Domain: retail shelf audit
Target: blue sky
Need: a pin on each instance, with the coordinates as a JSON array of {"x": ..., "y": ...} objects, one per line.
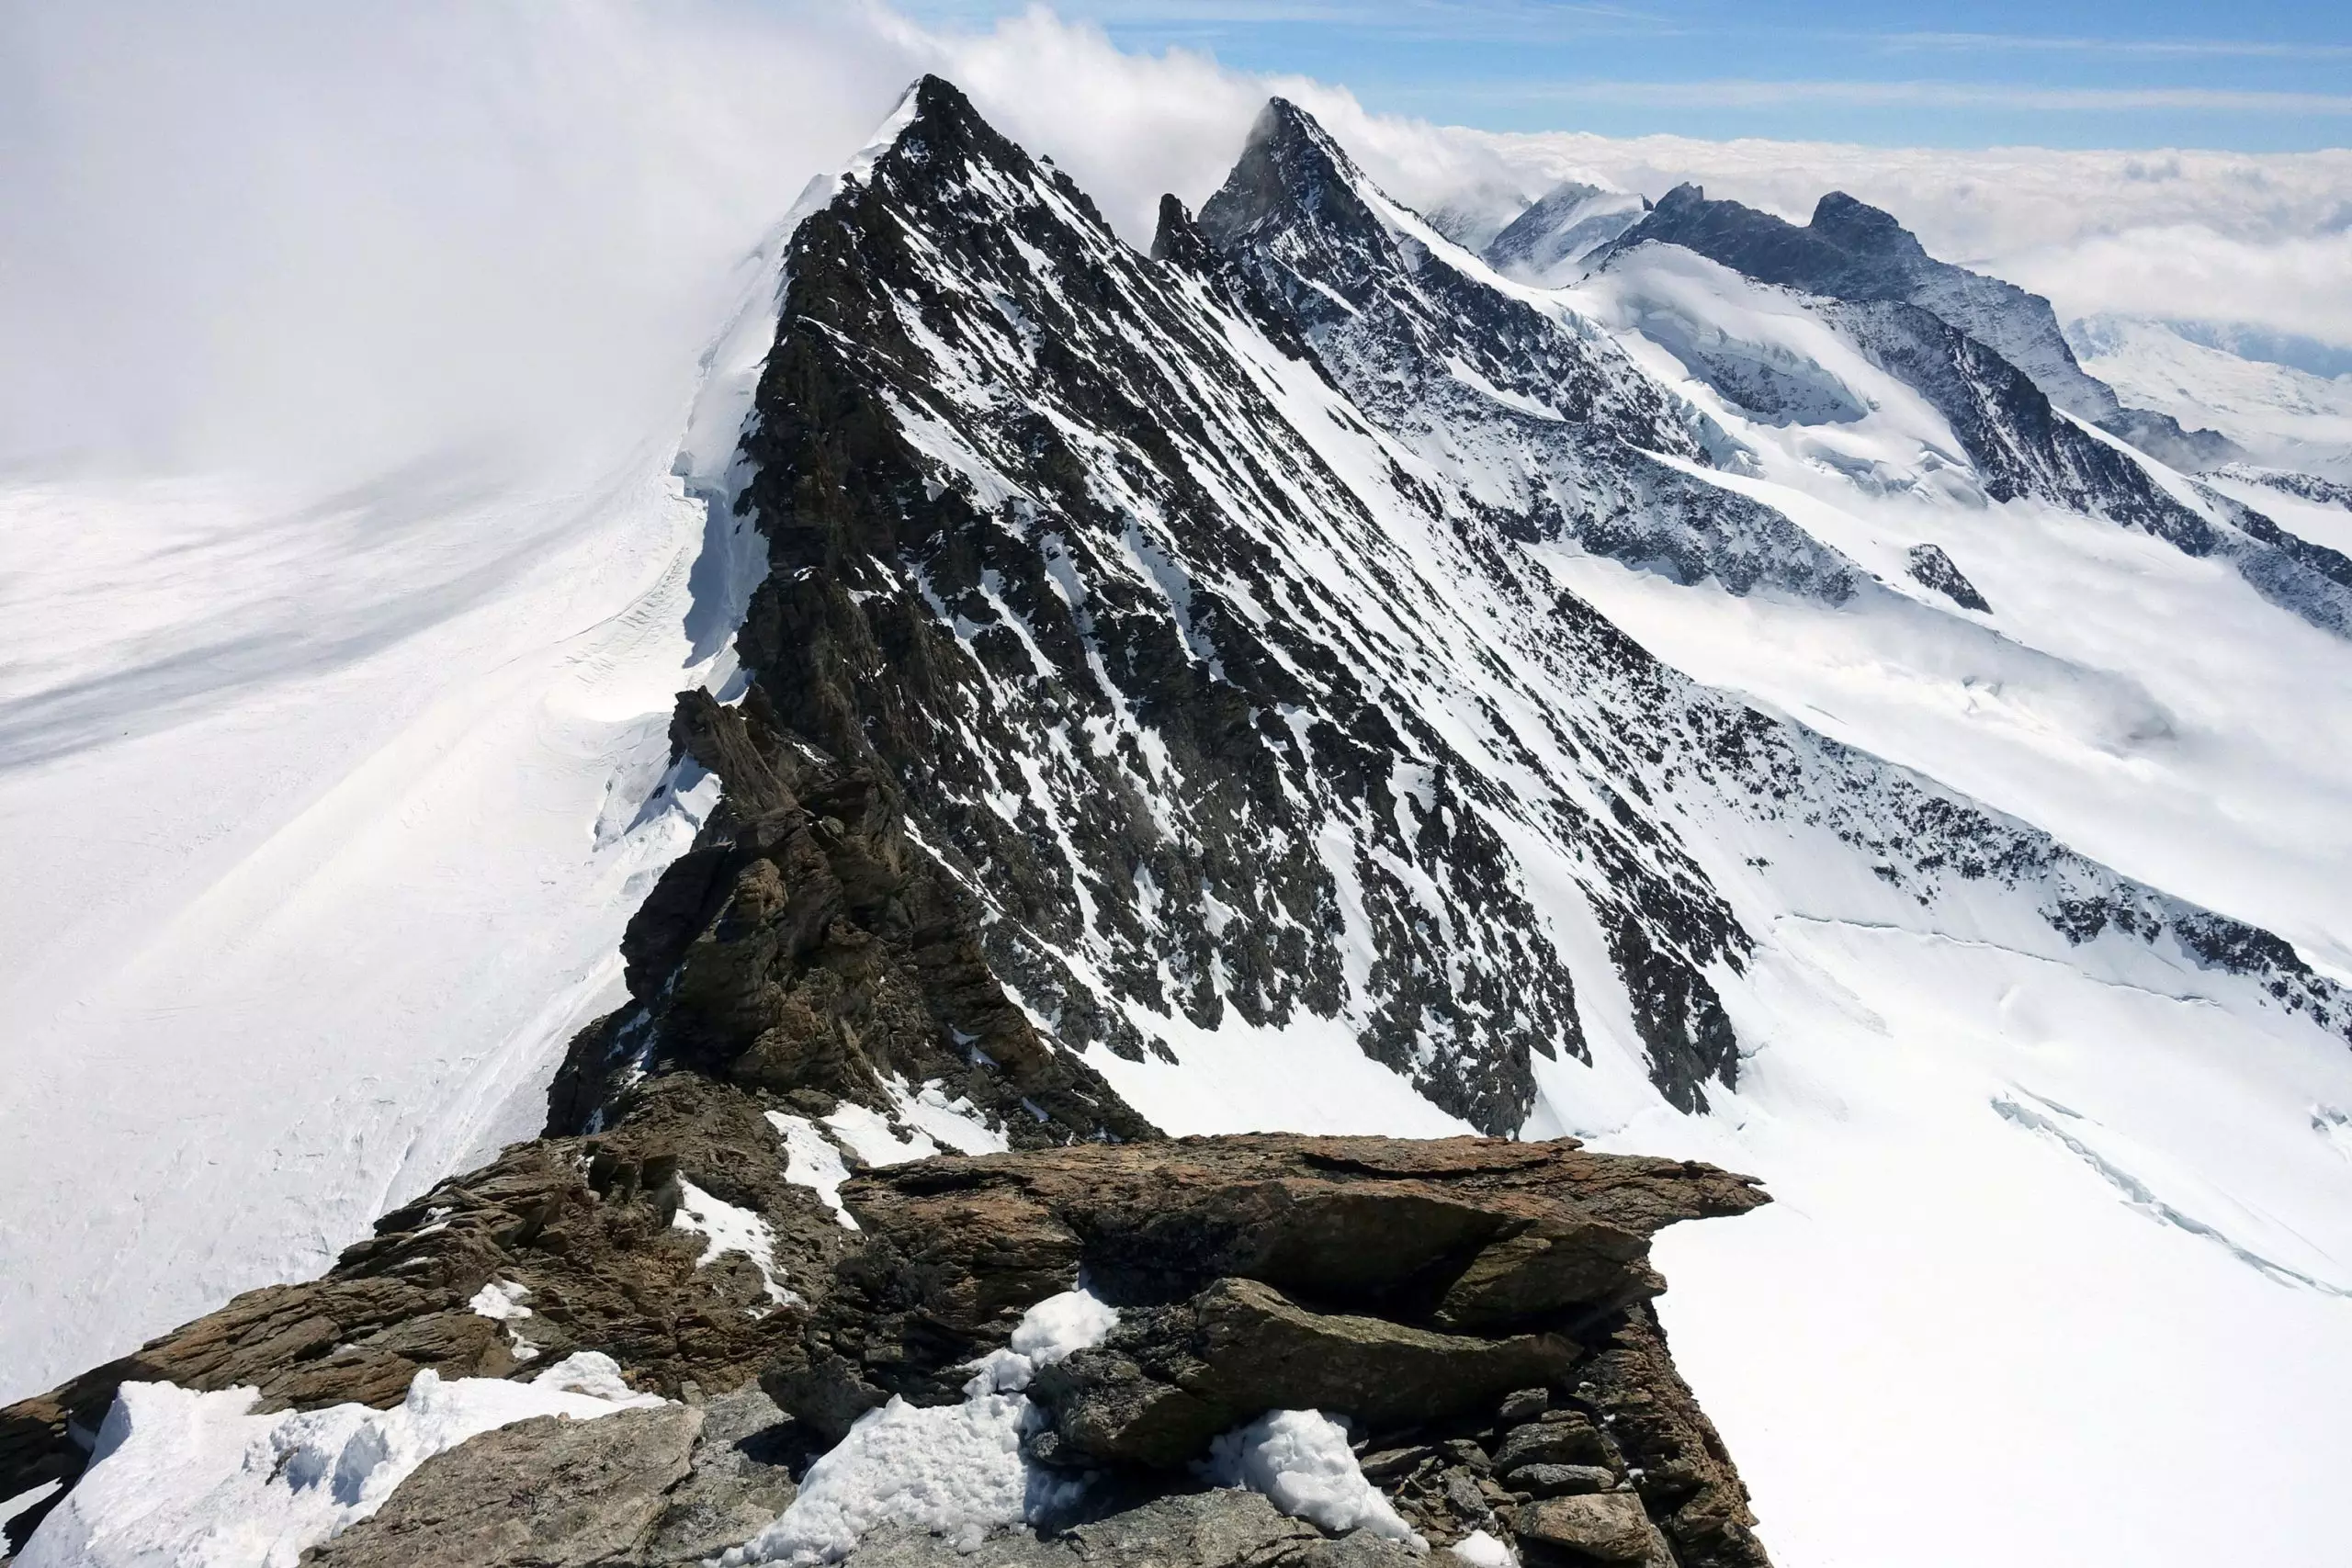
[{"x": 2255, "y": 77}]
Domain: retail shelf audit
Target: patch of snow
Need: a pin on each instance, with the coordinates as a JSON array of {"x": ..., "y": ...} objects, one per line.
[
  {"x": 811, "y": 1161},
  {"x": 1301, "y": 1461},
  {"x": 501, "y": 1300},
  {"x": 731, "y": 1229},
  {"x": 1484, "y": 1550},
  {"x": 954, "y": 1470},
  {"x": 869, "y": 1135},
  {"x": 1053, "y": 1329},
  {"x": 503, "y": 1303},
  {"x": 955, "y": 1123},
  {"x": 201, "y": 1481}
]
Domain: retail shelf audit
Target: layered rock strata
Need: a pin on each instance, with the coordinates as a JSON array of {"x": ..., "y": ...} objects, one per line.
[{"x": 1478, "y": 1309}]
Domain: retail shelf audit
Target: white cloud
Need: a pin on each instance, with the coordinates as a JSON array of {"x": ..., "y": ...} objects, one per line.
[
  {"x": 331, "y": 237},
  {"x": 273, "y": 233},
  {"x": 2264, "y": 238},
  {"x": 1744, "y": 93}
]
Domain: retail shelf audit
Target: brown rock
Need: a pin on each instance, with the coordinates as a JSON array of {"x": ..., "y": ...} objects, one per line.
[
  {"x": 1560, "y": 1480},
  {"x": 1607, "y": 1527},
  {"x": 1687, "y": 1477},
  {"x": 1170, "y": 1381},
  {"x": 547, "y": 1493},
  {"x": 584, "y": 1224}
]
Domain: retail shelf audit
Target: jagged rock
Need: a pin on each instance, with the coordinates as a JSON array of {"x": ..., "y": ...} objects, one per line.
[
  {"x": 737, "y": 1482},
  {"x": 1560, "y": 1479},
  {"x": 1850, "y": 250},
  {"x": 584, "y": 1226},
  {"x": 1168, "y": 1381},
  {"x": 1932, "y": 568},
  {"x": 547, "y": 1493},
  {"x": 804, "y": 945},
  {"x": 1561, "y": 1437},
  {"x": 1686, "y": 1481},
  {"x": 927, "y": 620},
  {"x": 1443, "y": 1234},
  {"x": 1608, "y": 1527},
  {"x": 1218, "y": 1528}
]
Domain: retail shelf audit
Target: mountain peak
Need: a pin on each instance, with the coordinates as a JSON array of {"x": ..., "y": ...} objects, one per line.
[
  {"x": 934, "y": 128},
  {"x": 1857, "y": 226},
  {"x": 1290, "y": 171}
]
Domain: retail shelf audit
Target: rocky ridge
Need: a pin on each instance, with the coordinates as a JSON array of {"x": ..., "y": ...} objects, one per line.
[
  {"x": 1127, "y": 649},
  {"x": 1990, "y": 358}
]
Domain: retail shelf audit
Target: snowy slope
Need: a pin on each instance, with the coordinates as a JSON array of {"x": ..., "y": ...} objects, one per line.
[
  {"x": 2283, "y": 416},
  {"x": 323, "y": 823},
  {"x": 2007, "y": 1096},
  {"x": 324, "y": 814}
]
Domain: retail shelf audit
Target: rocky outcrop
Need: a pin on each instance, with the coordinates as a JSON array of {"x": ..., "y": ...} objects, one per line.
[
  {"x": 804, "y": 945},
  {"x": 562, "y": 1245},
  {"x": 1930, "y": 568},
  {"x": 656, "y": 1488},
  {"x": 1477, "y": 1308},
  {"x": 550, "y": 1493},
  {"x": 1218, "y": 1528}
]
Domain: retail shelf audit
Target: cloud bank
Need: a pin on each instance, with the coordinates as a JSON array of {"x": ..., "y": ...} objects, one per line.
[{"x": 324, "y": 239}]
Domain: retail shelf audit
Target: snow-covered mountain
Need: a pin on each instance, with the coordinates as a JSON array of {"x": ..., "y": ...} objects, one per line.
[
  {"x": 1850, "y": 250},
  {"x": 1748, "y": 702},
  {"x": 2281, "y": 415},
  {"x": 1246, "y": 628},
  {"x": 1545, "y": 243}
]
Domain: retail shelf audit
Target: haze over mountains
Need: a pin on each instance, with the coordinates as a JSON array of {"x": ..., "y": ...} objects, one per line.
[{"x": 1652, "y": 681}]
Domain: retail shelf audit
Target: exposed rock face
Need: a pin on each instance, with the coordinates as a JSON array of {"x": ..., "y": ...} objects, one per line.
[
  {"x": 547, "y": 1493},
  {"x": 738, "y": 1479},
  {"x": 1053, "y": 545},
  {"x": 1477, "y": 1307},
  {"x": 579, "y": 1233},
  {"x": 1850, "y": 250},
  {"x": 643, "y": 1489},
  {"x": 1169, "y": 1380},
  {"x": 1187, "y": 1530},
  {"x": 1933, "y": 569},
  {"x": 1607, "y": 1527},
  {"x": 804, "y": 945}
]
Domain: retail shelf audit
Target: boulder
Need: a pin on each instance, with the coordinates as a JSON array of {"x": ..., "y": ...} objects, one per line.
[
  {"x": 1169, "y": 1381},
  {"x": 1608, "y": 1527},
  {"x": 547, "y": 1493},
  {"x": 1562, "y": 1436},
  {"x": 737, "y": 1482},
  {"x": 1219, "y": 1528},
  {"x": 1560, "y": 1479}
]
